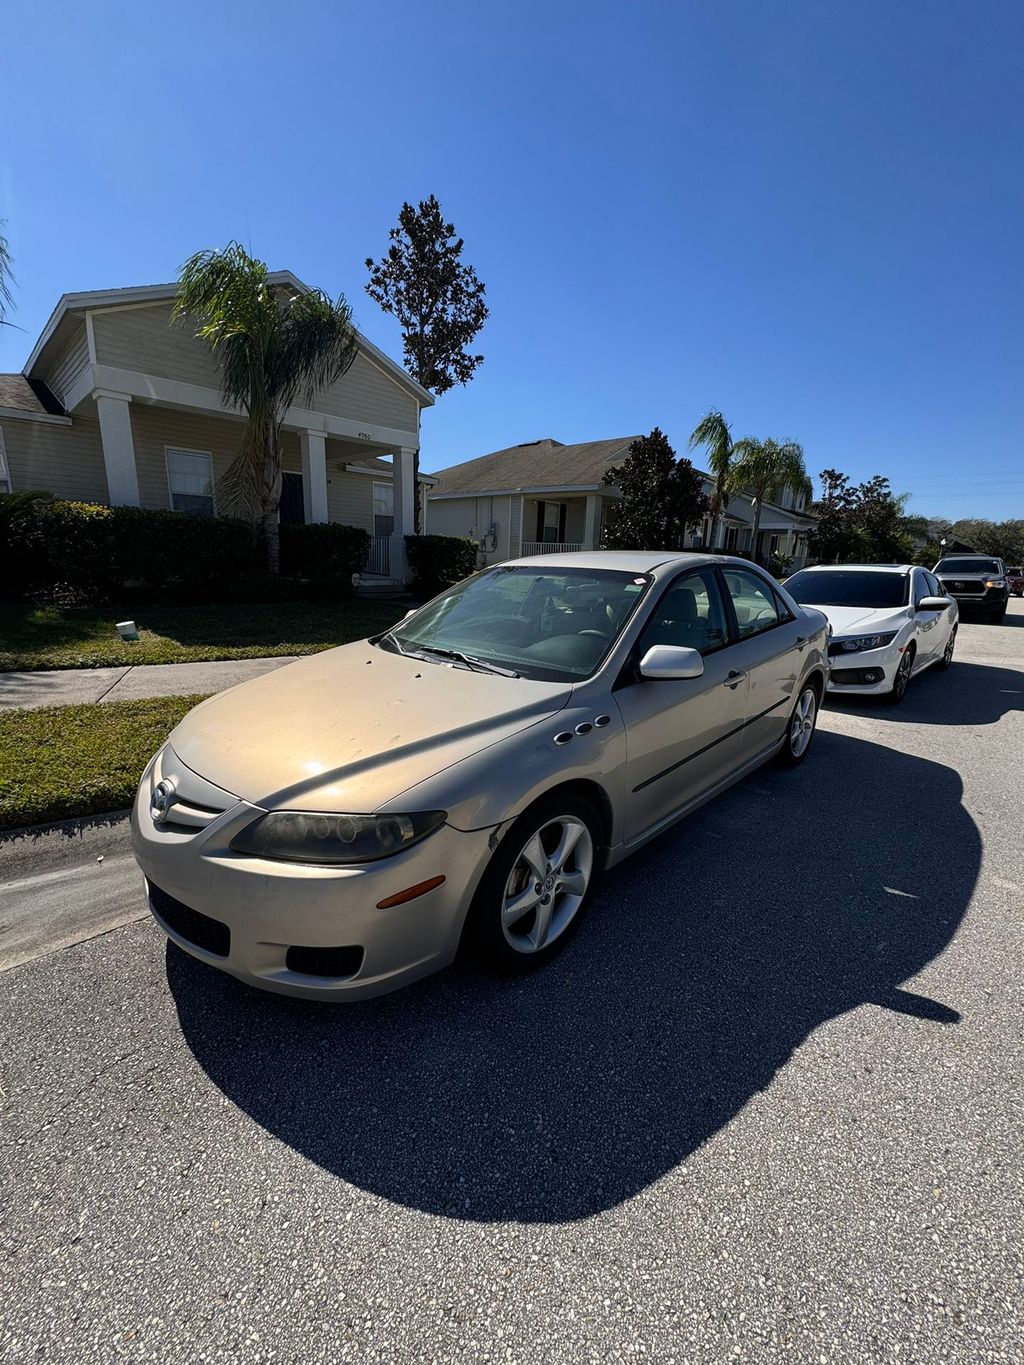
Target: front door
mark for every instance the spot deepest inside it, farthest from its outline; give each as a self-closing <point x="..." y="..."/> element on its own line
<point x="682" y="734"/>
<point x="291" y="509"/>
<point x="769" y="651"/>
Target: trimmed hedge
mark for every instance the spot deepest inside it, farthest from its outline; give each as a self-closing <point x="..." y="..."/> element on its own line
<point x="436" y="562"/>
<point x="324" y="551"/>
<point x="87" y="553"/>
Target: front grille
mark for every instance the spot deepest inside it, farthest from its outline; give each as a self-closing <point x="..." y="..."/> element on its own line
<point x="963" y="587"/>
<point x="334" y="962"/>
<point x="198" y="929"/>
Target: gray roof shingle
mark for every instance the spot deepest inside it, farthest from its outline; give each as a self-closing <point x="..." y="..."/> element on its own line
<point x="537" y="464"/>
<point x="28" y="395"/>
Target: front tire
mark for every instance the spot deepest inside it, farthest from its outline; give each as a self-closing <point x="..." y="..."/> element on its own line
<point x="800" y="730"/>
<point x="997" y="615"/>
<point x="903" y="672"/>
<point x="537" y="887"/>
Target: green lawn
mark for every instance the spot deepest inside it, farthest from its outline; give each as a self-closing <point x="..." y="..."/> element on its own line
<point x="52" y="637"/>
<point x="62" y="761"/>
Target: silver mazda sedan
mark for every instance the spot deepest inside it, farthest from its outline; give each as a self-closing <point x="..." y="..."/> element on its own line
<point x="339" y="827"/>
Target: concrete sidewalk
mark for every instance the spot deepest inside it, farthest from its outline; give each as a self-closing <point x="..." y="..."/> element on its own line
<point x="68" y="686"/>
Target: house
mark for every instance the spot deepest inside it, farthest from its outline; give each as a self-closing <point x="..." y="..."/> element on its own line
<point x="118" y="404"/>
<point x="544" y="496"/>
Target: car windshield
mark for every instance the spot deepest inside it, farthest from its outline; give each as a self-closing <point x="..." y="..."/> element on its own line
<point x="849" y="588"/>
<point x="967" y="566"/>
<point x="1015" y="572"/>
<point x="547" y="626"/>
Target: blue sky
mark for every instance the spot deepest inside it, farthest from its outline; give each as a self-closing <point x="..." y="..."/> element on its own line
<point x="806" y="214"/>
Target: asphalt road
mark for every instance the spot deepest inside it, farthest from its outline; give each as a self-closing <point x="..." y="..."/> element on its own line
<point x="768" y="1106"/>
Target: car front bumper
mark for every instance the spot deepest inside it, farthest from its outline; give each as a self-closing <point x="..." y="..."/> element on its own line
<point x="868" y="672"/>
<point x="262" y="920"/>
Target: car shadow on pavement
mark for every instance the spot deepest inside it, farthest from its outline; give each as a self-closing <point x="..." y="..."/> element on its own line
<point x="707" y="959"/>
<point x="969" y="694"/>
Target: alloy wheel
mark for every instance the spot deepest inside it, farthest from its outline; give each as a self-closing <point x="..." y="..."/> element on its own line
<point x="801" y="726"/>
<point x="547" y="884"/>
<point x="899" y="683"/>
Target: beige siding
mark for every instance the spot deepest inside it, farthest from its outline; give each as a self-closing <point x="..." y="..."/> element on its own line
<point x="145" y="339"/>
<point x="67" y="369"/>
<point x="455" y="516"/>
<point x="67" y="461"/>
<point x="366" y="394"/>
<point x="350" y="499"/>
<point x="154" y="428"/>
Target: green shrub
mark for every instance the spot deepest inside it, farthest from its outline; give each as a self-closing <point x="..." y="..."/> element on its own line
<point x="155" y="548"/>
<point x="78" y="552"/>
<point x="325" y="553"/>
<point x="17" y="513"/>
<point x="436" y="562"/>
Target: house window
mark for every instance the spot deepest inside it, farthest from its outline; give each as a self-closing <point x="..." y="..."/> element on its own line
<point x="383" y="509"/>
<point x="190" y="479"/>
<point x="731" y="533"/>
<point x="5" y="473"/>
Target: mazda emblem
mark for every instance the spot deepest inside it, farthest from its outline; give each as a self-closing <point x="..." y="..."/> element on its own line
<point x="161" y="801"/>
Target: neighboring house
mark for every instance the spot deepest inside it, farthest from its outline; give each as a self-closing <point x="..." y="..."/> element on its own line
<point x="544" y="496"/>
<point x="119" y="405"/>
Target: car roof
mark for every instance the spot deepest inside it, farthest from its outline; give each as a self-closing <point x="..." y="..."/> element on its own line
<point x="629" y="561"/>
<point x="863" y="568"/>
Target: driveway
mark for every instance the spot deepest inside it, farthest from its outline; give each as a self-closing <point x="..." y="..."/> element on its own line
<point x="767" y="1106"/>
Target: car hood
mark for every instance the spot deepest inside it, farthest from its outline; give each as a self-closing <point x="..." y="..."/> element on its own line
<point x="352" y="728"/>
<point x="863" y="620"/>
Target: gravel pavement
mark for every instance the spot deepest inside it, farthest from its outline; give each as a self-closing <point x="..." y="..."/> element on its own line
<point x="768" y="1106"/>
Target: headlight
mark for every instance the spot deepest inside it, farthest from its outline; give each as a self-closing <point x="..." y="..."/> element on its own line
<point x="995" y="582"/>
<point x="297" y="836"/>
<point x="858" y="642"/>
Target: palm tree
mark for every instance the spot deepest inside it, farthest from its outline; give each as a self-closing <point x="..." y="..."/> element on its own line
<point x="272" y="346"/>
<point x="6" y="277"/>
<point x="762" y="468"/>
<point x="713" y="431"/>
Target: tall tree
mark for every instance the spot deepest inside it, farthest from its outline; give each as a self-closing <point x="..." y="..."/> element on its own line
<point x="863" y="523"/>
<point x="272" y="346"/>
<point x="764" y="468"/>
<point x="6" y="276"/>
<point x="713" y="432"/>
<point x="662" y="497"/>
<point x="437" y="298"/>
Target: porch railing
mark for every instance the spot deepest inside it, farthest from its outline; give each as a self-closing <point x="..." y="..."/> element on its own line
<point x="547" y="547"/>
<point x="378" y="561"/>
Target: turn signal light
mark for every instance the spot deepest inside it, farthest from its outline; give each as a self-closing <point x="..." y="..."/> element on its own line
<point x="410" y="893"/>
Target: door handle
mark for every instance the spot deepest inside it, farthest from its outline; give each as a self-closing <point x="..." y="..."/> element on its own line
<point x="801" y="640"/>
<point x="733" y="678"/>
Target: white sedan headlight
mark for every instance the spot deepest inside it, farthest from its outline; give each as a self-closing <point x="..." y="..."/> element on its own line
<point x="856" y="643"/>
<point x="297" y="836"/>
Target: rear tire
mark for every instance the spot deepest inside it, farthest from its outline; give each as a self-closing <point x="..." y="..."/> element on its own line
<point x="947" y="656"/>
<point x="801" y="727"/>
<point x="532" y="897"/>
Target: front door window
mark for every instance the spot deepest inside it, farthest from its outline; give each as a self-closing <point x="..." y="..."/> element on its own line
<point x="383" y="509"/>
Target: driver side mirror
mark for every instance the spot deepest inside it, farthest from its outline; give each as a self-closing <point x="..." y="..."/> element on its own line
<point x="671" y="661"/>
<point x="932" y="604"/>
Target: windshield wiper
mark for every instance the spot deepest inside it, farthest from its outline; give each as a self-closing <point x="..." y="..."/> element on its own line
<point x="456" y="654"/>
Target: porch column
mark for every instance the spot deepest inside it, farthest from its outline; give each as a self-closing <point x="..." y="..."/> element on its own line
<point x="404" y="483"/>
<point x="592" y="521"/>
<point x="313" y="451"/>
<point x="118" y="447"/>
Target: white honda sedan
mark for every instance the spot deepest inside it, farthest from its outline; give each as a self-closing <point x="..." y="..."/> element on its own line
<point x="889" y="623"/>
